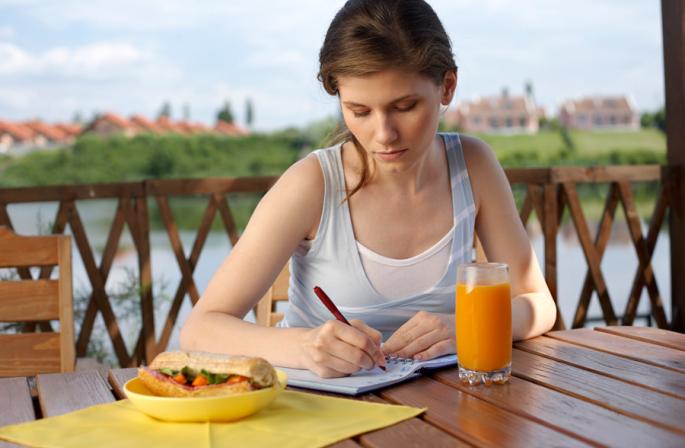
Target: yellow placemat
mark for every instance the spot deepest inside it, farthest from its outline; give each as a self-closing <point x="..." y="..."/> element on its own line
<point x="294" y="419"/>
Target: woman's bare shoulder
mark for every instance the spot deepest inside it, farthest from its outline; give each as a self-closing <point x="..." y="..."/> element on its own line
<point x="305" y="173"/>
<point x="478" y="155"/>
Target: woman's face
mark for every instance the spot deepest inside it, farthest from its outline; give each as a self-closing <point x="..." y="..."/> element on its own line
<point x="394" y="114"/>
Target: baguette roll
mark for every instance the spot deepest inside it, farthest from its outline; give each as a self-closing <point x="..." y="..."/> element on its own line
<point x="200" y="374"/>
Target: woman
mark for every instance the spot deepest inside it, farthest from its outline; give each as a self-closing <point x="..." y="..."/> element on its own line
<point x="380" y="220"/>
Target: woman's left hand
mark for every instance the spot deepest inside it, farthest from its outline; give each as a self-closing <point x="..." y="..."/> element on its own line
<point x="424" y="336"/>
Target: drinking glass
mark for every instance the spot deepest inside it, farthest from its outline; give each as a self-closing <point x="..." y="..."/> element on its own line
<point x="483" y="320"/>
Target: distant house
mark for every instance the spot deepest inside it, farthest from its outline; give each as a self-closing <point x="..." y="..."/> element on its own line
<point x="608" y="112"/>
<point x="229" y="129"/>
<point x="144" y="125"/>
<point x="73" y="130"/>
<point x="14" y="136"/>
<point x="47" y="135"/>
<point x="509" y="114"/>
<point x="111" y="124"/>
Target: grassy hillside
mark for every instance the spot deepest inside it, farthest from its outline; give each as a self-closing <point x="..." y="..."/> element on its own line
<point x="117" y="159"/>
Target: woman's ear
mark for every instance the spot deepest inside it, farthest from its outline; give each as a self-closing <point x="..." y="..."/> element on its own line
<point x="449" y="85"/>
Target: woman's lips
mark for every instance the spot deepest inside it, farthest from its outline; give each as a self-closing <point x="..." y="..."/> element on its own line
<point x="388" y="156"/>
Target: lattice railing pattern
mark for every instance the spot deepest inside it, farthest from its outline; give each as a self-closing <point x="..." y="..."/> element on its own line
<point x="549" y="192"/>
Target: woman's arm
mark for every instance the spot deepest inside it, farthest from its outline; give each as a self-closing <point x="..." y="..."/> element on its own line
<point x="288" y="213"/>
<point x="504" y="239"/>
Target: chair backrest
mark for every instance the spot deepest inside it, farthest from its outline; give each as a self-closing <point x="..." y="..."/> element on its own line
<point x="265" y="311"/>
<point x="29" y="300"/>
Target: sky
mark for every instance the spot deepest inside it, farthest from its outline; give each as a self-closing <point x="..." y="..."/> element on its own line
<point x="59" y="58"/>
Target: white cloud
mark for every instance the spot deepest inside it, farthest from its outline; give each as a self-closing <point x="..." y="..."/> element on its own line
<point x="100" y="61"/>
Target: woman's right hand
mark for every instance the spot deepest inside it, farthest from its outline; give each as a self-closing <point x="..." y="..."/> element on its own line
<point x="335" y="349"/>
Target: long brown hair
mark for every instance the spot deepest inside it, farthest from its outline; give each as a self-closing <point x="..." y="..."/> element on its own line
<point x="368" y="36"/>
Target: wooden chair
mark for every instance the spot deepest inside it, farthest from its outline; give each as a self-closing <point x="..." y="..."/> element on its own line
<point x="27" y="354"/>
<point x="265" y="311"/>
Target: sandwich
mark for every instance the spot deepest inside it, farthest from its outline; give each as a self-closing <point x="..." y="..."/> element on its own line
<point x="199" y="374"/>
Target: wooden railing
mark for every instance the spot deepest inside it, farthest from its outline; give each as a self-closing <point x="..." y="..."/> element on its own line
<point x="548" y="192"/>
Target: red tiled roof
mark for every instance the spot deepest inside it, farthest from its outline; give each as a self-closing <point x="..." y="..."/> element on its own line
<point x="498" y="104"/>
<point x="144" y="124"/>
<point x="166" y="124"/>
<point x="71" y="129"/>
<point x="185" y="127"/>
<point x="52" y="133"/>
<point x="17" y="131"/>
<point x="226" y="128"/>
<point x="116" y="120"/>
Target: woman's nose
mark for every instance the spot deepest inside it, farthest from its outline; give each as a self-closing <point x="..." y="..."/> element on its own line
<point x="386" y="131"/>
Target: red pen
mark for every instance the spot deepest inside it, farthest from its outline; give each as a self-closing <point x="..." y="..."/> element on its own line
<point x="333" y="309"/>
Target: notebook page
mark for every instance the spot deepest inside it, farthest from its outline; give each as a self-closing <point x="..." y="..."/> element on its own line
<point x="365" y="380"/>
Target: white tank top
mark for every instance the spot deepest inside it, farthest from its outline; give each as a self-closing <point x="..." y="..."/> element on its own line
<point x="332" y="259"/>
<point x="399" y="278"/>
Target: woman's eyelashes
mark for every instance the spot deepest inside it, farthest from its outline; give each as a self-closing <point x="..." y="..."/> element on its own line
<point x="398" y="108"/>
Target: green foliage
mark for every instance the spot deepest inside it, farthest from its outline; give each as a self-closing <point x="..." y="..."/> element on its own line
<point x="165" y="110"/>
<point x="93" y="159"/>
<point x="225" y="113"/>
<point x="654" y="120"/>
<point x="569" y="145"/>
<point x="249" y="113"/>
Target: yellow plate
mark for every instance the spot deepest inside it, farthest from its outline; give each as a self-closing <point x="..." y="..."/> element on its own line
<point x="202" y="409"/>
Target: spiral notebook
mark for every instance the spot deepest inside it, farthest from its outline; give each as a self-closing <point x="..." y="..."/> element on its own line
<point x="398" y="370"/>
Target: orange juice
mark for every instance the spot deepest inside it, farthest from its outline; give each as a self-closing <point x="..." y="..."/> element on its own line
<point x="483" y="326"/>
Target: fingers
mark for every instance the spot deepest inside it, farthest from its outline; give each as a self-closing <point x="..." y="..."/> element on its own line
<point x="337" y="349"/>
<point x="420" y="344"/>
<point x="404" y="335"/>
<point x="366" y="338"/>
<point x="418" y="335"/>
<point x="444" y="347"/>
<point x="374" y="334"/>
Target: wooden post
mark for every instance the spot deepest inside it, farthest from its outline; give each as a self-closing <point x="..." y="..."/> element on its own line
<point x="550" y="229"/>
<point x="673" y="28"/>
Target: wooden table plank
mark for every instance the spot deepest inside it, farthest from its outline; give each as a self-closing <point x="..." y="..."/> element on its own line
<point x="59" y="393"/>
<point x="610" y="393"/>
<point x="567" y="414"/>
<point x="661" y="380"/>
<point x="16" y="406"/>
<point x="473" y="420"/>
<point x="669" y="339"/>
<point x="412" y="432"/>
<point x="118" y="377"/>
<point x="628" y="348"/>
<point x="16" y="401"/>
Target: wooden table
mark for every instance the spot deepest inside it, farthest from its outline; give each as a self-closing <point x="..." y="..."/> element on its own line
<point x="615" y="386"/>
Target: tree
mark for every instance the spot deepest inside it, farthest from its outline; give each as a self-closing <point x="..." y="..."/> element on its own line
<point x="77" y="118"/>
<point x="529" y="88"/>
<point x="165" y="110"/>
<point x="660" y="120"/>
<point x="186" y="112"/>
<point x="249" y="113"/>
<point x="647" y="120"/>
<point x="225" y="113"/>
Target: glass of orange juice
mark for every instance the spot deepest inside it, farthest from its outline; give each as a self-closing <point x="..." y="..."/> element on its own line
<point x="483" y="319"/>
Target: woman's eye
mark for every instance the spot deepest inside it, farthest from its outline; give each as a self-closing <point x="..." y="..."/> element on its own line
<point x="360" y="113"/>
<point x="405" y="107"/>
